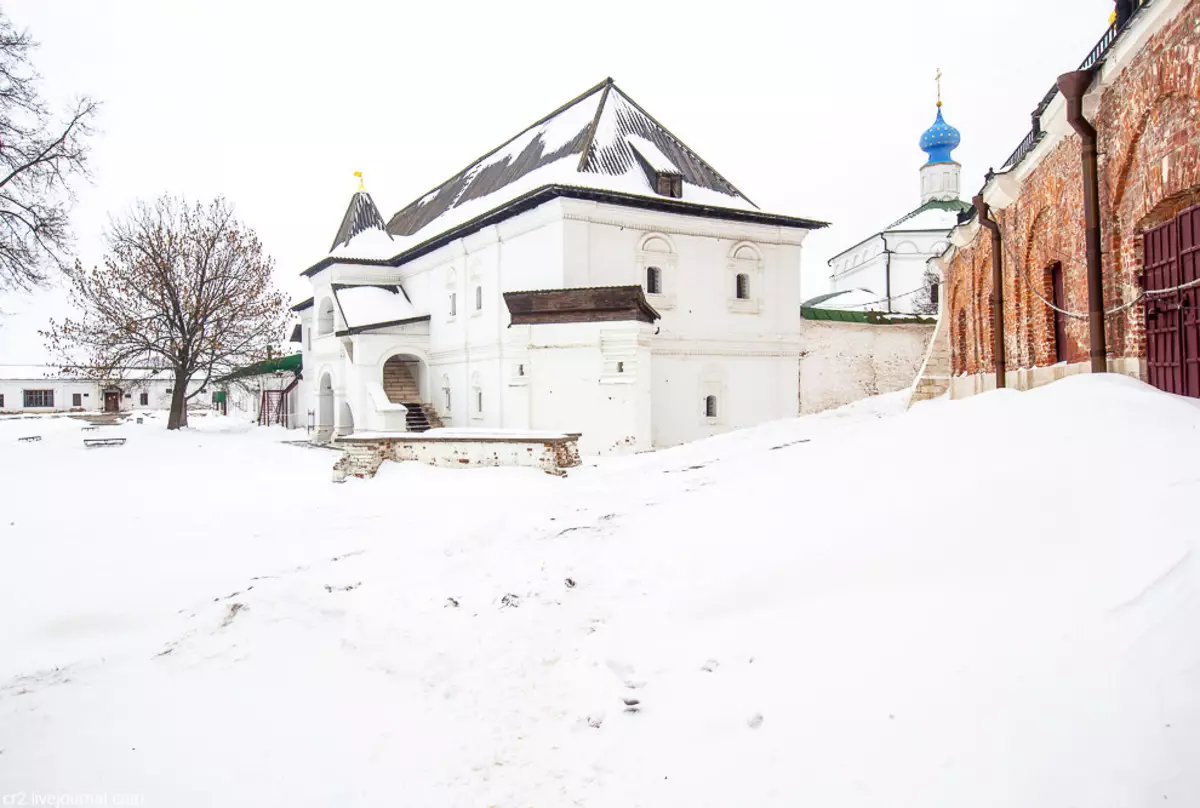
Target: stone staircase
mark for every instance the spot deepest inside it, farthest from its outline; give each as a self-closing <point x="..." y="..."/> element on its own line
<point x="934" y="378"/>
<point x="401" y="388"/>
<point x="399" y="384"/>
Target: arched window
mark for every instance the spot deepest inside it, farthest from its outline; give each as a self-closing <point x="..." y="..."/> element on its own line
<point x="933" y="294"/>
<point x="325" y="318"/>
<point x="743" y="286"/>
<point x="653" y="281"/>
<point x="710" y="406"/>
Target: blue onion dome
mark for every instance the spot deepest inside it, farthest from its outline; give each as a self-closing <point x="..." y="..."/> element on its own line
<point x="940" y="139"/>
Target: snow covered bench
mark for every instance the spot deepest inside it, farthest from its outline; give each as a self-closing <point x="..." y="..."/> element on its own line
<point x="95" y="442"/>
<point x="30" y="438"/>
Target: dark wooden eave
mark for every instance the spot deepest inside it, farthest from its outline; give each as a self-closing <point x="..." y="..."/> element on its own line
<point x="304" y="304"/>
<point x="546" y="193"/>
<point x="581" y="305"/>
<point x="362" y="329"/>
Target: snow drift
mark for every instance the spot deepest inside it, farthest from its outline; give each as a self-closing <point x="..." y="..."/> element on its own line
<point x="989" y="603"/>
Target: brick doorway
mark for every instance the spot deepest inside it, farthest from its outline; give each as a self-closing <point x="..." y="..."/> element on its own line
<point x="1172" y="258"/>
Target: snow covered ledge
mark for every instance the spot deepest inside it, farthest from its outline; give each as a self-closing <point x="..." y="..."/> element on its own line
<point x="389" y="417"/>
<point x="364" y="452"/>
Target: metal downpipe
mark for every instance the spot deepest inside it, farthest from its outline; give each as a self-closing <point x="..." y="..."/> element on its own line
<point x="1073" y="86"/>
<point x="985" y="219"/>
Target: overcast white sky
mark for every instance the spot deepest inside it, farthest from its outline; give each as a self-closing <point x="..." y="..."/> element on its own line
<point x="810" y="108"/>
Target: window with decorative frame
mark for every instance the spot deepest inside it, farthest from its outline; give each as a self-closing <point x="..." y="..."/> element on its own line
<point x="656" y="260"/>
<point x="745" y="269"/>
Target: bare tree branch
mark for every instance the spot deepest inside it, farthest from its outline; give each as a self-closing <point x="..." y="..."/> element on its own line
<point x="41" y="154"/>
<point x="183" y="288"/>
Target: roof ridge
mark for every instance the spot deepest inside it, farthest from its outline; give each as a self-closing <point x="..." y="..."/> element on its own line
<point x="587" y="146"/>
<point x="563" y="108"/>
<point x="679" y="142"/>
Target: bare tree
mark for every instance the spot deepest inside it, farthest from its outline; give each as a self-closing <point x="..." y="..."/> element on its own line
<point x="184" y="288"/>
<point x="40" y="153"/>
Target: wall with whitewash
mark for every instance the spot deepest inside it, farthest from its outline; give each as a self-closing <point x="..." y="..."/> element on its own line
<point x="845" y="362"/>
<point x="706" y="337"/>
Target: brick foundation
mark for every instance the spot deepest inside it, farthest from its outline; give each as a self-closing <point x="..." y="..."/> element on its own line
<point x="362" y="456"/>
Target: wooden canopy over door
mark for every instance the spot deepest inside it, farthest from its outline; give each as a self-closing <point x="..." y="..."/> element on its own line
<point x="1172" y="258"/>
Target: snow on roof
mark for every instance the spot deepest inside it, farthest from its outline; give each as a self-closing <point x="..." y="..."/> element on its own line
<point x="848" y="300"/>
<point x="584" y="144"/>
<point x="652" y="155"/>
<point x="366" y="306"/>
<point x="12" y="373"/>
<point x="930" y="219"/>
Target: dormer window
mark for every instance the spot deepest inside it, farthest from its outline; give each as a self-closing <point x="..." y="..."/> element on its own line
<point x="669" y="185"/>
<point x="661" y="171"/>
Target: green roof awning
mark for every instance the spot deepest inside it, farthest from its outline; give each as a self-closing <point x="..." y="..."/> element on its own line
<point x="280" y="364"/>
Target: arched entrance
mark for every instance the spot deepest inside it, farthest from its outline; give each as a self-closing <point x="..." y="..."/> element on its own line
<point x="345" y="420"/>
<point x="403" y="379"/>
<point x="325" y="408"/>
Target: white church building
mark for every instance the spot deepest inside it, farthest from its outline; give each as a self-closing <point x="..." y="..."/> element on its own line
<point x="888" y="271"/>
<point x="591" y="275"/>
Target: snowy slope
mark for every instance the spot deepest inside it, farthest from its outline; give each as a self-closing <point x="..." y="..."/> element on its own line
<point x="860" y="608"/>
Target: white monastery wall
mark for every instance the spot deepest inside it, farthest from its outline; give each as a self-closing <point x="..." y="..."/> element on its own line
<point x="845" y="362"/>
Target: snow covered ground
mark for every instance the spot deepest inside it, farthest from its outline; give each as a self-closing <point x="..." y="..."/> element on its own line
<point x="993" y="602"/>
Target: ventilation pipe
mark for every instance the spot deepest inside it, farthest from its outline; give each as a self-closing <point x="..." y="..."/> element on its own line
<point x="985" y="219"/>
<point x="1073" y="86"/>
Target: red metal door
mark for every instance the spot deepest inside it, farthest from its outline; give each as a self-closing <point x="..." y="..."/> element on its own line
<point x="1172" y="258"/>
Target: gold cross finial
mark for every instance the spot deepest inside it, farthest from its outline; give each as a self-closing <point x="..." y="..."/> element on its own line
<point x="361" y="187"/>
<point x="939" y="83"/>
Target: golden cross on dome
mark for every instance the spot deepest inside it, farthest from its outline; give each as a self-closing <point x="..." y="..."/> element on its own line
<point x="938" y="77"/>
<point x="358" y="174"/>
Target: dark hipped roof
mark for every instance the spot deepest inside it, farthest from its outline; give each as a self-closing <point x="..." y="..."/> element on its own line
<point x="594" y="126"/>
<point x="361" y="215"/>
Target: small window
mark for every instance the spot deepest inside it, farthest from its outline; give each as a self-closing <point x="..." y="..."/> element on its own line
<point x="520" y="370"/>
<point x="453" y="303"/>
<point x="77" y="399"/>
<point x="933" y="294"/>
<point x="653" y="281"/>
<point x="670" y="185"/>
<point x="743" y="286"/>
<point x="1" y="400"/>
<point x="446" y="391"/>
<point x="478" y="298"/>
<point x="620" y="367"/>
<point x="710" y="407"/>
<point x="38" y="398"/>
<point x="478" y="400"/>
<point x="144" y="398"/>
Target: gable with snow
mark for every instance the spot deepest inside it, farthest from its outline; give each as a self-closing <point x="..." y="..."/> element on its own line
<point x="664" y="301"/>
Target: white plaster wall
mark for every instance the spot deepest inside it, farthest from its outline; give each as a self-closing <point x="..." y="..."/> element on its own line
<point x="92" y="395"/>
<point x="590" y="378"/>
<point x="569" y="243"/>
<point x="845" y="362"/>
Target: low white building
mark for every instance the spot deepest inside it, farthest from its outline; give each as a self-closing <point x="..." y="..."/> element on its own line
<point x="889" y="271"/>
<point x="45" y="389"/>
<point x="592" y="275"/>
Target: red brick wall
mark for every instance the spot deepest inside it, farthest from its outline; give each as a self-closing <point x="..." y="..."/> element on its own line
<point x="1149" y="143"/>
